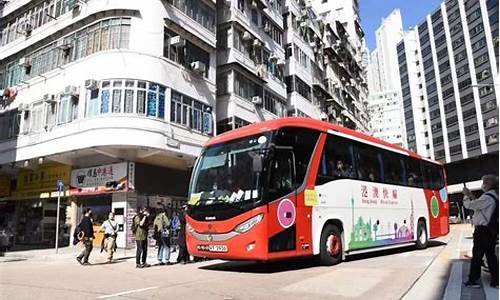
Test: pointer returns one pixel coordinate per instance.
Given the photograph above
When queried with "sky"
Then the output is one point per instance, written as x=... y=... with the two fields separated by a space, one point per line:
x=412 y=12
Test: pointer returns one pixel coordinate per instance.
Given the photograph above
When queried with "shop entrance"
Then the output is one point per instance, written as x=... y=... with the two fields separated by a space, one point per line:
x=100 y=206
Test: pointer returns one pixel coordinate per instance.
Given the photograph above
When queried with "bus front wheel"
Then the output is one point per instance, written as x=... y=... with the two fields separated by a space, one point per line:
x=422 y=237
x=331 y=246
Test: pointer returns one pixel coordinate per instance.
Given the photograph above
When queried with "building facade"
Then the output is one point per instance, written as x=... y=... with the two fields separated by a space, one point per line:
x=116 y=98
x=91 y=84
x=415 y=105
x=458 y=52
x=384 y=101
x=346 y=58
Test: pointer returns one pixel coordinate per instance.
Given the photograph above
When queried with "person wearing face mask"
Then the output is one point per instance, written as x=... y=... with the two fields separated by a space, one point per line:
x=110 y=227
x=484 y=238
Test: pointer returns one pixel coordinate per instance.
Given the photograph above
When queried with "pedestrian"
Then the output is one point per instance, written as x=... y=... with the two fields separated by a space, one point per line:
x=484 y=238
x=87 y=229
x=183 y=257
x=162 y=236
x=140 y=228
x=110 y=227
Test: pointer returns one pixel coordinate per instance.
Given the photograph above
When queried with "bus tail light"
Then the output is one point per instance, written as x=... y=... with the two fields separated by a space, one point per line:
x=249 y=224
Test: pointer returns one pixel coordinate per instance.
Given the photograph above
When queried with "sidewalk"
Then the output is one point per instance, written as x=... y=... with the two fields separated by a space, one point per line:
x=66 y=254
x=452 y=265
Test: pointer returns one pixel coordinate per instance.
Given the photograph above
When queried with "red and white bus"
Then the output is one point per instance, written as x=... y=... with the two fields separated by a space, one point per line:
x=301 y=187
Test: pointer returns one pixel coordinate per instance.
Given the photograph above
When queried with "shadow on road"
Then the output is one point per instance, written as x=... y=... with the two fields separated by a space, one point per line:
x=392 y=251
x=301 y=263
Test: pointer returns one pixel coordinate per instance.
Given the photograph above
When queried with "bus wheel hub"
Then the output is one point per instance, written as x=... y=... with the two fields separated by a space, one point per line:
x=333 y=245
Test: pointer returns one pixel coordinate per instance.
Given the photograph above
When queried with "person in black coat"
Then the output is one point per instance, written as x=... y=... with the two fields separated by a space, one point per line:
x=183 y=252
x=88 y=236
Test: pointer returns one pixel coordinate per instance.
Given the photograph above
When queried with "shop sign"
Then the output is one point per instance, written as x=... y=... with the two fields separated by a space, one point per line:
x=4 y=186
x=100 y=179
x=35 y=183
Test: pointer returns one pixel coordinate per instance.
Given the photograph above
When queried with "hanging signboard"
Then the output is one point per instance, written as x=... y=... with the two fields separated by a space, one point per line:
x=100 y=179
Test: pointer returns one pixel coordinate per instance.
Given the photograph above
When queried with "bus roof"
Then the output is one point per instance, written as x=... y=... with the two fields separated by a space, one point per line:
x=264 y=126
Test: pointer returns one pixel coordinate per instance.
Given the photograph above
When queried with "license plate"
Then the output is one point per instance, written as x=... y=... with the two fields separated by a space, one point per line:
x=213 y=248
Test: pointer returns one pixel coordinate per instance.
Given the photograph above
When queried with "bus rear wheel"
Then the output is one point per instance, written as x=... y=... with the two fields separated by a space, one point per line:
x=330 y=246
x=422 y=238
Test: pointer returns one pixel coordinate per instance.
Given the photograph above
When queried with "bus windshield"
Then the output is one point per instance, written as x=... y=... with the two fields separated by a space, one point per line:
x=238 y=175
x=226 y=173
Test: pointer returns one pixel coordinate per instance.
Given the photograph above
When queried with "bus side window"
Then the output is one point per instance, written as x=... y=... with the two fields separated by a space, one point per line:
x=414 y=172
x=369 y=163
x=394 y=171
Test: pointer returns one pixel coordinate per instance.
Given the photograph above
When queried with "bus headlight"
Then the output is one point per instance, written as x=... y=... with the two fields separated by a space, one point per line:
x=249 y=224
x=189 y=228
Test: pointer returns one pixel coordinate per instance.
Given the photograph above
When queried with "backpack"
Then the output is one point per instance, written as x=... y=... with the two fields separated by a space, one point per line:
x=493 y=223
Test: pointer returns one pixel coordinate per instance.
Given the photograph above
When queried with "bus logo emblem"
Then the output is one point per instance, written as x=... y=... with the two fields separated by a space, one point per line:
x=210 y=238
x=286 y=213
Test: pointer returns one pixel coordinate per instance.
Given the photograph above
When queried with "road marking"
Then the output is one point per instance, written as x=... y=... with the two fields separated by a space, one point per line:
x=127 y=292
x=454 y=287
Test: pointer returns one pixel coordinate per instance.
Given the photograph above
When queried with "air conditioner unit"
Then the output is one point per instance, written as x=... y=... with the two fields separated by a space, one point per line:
x=49 y=98
x=257 y=100
x=91 y=84
x=24 y=62
x=23 y=107
x=198 y=67
x=280 y=62
x=71 y=90
x=247 y=36
x=177 y=41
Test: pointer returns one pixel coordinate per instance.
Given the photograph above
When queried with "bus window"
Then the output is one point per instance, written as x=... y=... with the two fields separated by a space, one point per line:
x=414 y=172
x=394 y=168
x=433 y=176
x=303 y=141
x=337 y=160
x=282 y=174
x=369 y=163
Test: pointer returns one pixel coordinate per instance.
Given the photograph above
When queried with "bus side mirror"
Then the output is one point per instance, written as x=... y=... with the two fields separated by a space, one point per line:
x=256 y=163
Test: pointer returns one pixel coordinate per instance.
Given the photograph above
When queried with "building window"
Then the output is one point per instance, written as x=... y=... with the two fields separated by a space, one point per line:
x=191 y=113
x=198 y=11
x=67 y=109
x=32 y=19
x=275 y=104
x=491 y=122
x=472 y=145
x=476 y=30
x=492 y=139
x=9 y=124
x=185 y=53
x=246 y=88
x=100 y=36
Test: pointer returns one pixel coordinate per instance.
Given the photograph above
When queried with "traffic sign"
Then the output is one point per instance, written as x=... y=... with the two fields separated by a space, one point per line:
x=60 y=185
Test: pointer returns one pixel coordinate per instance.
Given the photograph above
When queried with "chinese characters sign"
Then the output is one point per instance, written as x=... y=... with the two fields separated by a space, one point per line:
x=371 y=194
x=100 y=179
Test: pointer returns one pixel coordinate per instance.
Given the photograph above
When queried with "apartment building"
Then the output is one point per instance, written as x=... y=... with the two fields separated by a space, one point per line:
x=111 y=97
x=458 y=51
x=346 y=58
x=116 y=98
x=415 y=105
x=384 y=100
